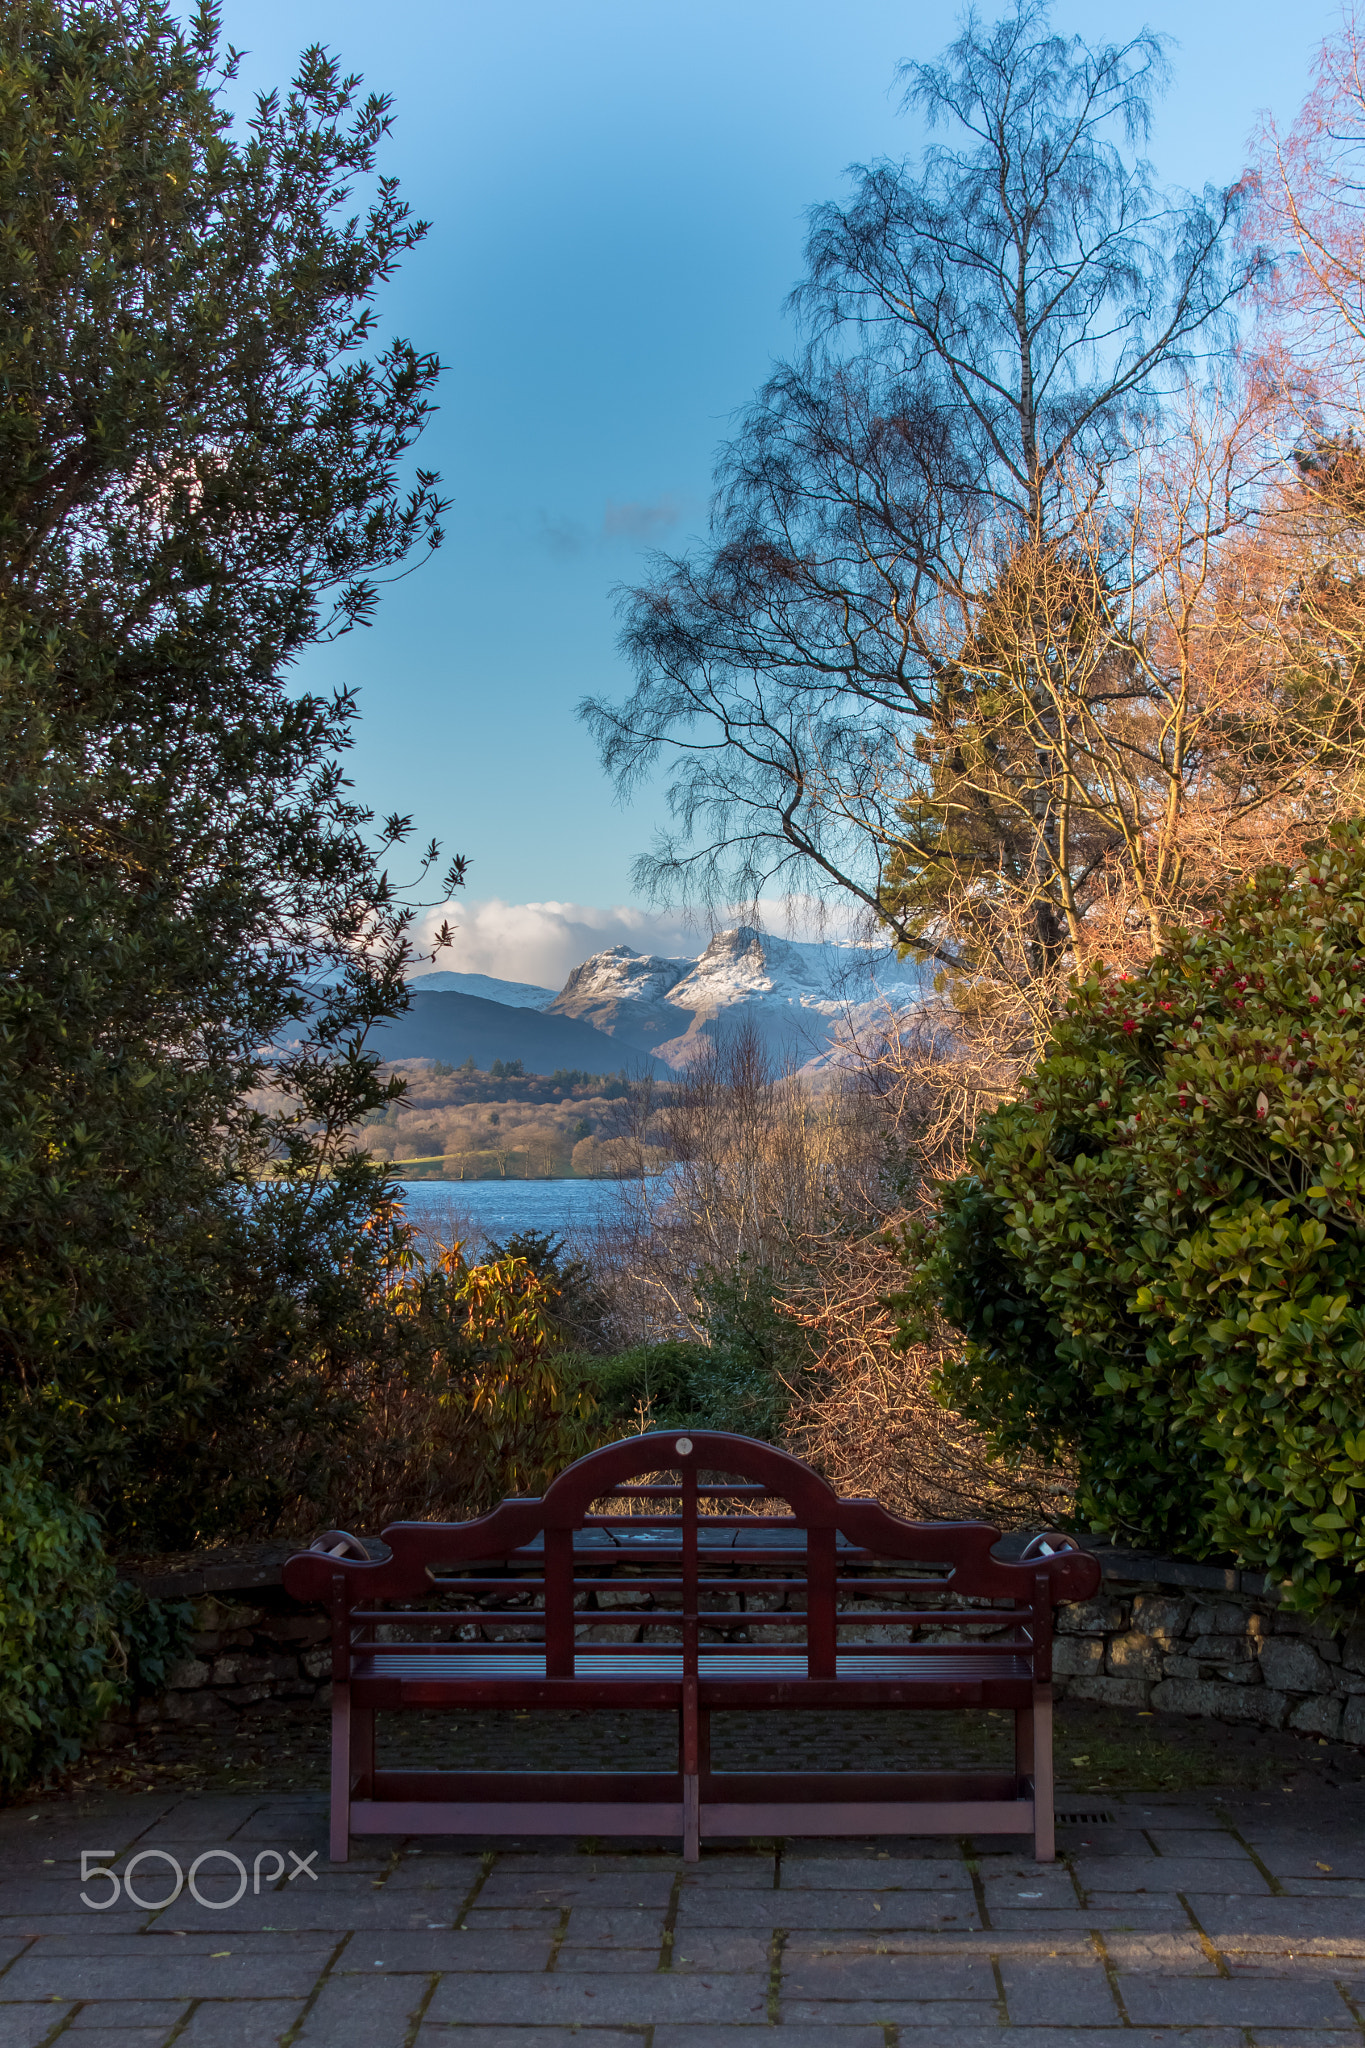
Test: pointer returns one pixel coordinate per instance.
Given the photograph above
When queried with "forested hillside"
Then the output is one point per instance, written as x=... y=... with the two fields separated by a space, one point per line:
x=463 y=1124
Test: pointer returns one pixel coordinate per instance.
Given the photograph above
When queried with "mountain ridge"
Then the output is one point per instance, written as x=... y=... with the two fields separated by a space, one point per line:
x=805 y=997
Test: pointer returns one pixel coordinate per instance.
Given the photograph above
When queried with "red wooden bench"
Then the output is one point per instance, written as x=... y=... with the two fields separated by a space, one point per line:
x=695 y=1521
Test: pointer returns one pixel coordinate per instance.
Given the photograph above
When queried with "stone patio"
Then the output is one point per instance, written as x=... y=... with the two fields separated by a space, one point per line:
x=1229 y=1920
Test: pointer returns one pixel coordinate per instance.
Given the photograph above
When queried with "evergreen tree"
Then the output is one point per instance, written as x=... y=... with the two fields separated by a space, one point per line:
x=201 y=474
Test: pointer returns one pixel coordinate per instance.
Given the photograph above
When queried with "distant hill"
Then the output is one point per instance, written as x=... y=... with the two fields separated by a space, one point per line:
x=453 y=1027
x=518 y=995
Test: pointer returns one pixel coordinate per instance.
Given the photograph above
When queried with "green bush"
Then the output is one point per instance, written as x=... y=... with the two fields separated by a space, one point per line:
x=649 y=1385
x=1158 y=1260
x=736 y=1382
x=198 y=925
x=580 y=1308
x=755 y=1353
x=61 y=1661
x=676 y=1385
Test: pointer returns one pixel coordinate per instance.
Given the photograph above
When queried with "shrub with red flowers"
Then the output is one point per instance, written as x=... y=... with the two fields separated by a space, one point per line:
x=1158 y=1261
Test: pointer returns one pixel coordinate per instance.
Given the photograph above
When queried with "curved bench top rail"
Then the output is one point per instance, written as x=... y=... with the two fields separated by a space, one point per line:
x=417 y=1547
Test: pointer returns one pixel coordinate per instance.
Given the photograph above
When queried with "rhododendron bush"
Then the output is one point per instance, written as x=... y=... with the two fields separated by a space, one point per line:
x=1157 y=1259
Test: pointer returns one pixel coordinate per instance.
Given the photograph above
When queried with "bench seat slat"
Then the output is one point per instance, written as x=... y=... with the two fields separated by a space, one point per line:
x=655 y=1678
x=779 y=1817
x=459 y=1667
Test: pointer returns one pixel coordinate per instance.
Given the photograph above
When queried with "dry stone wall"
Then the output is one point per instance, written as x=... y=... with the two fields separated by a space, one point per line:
x=1191 y=1639
x=1161 y=1635
x=253 y=1649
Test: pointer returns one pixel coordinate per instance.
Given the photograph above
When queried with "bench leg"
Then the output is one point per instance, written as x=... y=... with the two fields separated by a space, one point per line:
x=340 y=1847
x=691 y=1819
x=691 y=1772
x=1023 y=1744
x=1044 y=1827
x=362 y=1751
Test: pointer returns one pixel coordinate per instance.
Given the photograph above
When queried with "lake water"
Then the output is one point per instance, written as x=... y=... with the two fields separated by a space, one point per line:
x=497 y=1208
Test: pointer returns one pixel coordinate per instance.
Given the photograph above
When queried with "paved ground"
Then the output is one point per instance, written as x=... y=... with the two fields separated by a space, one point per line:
x=1230 y=1920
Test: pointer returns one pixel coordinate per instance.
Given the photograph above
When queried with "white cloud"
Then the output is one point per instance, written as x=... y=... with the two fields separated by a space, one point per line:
x=543 y=942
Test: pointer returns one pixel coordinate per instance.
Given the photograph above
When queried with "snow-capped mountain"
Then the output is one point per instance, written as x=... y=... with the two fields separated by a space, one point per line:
x=805 y=996
x=744 y=965
x=808 y=998
x=618 y=975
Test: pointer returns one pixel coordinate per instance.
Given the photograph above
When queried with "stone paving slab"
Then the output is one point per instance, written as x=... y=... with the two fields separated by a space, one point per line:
x=440 y=2036
x=602 y=1999
x=952 y=2015
x=1061 y=1991
x=1189 y=1923
x=827 y=1909
x=149 y=2013
x=1295 y=2037
x=1112 y=1914
x=242 y=2023
x=1224 y=1920
x=1234 y=1873
x=857 y=2035
x=347 y=2014
x=919 y=1875
x=820 y=1973
x=1235 y=2002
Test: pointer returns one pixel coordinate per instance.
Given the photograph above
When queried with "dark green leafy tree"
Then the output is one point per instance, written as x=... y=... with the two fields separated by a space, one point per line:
x=1157 y=1261
x=203 y=471
x=579 y=1308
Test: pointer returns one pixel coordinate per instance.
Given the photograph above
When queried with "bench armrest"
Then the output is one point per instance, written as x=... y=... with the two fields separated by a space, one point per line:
x=340 y=1543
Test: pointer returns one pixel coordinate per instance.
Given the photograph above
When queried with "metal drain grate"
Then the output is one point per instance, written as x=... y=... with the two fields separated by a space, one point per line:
x=1084 y=1820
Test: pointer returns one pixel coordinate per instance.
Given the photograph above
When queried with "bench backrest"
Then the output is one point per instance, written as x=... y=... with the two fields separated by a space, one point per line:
x=719 y=1534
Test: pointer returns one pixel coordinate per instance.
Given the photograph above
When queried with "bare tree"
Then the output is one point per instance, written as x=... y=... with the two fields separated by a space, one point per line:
x=1309 y=568
x=1030 y=617
x=866 y=1413
x=918 y=599
x=798 y=1194
x=758 y=1160
x=1309 y=209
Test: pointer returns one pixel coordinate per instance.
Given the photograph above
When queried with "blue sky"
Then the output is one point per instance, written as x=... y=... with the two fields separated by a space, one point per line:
x=617 y=195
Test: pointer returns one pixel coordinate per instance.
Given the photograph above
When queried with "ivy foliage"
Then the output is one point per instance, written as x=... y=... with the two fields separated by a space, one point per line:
x=74 y=1640
x=1158 y=1258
